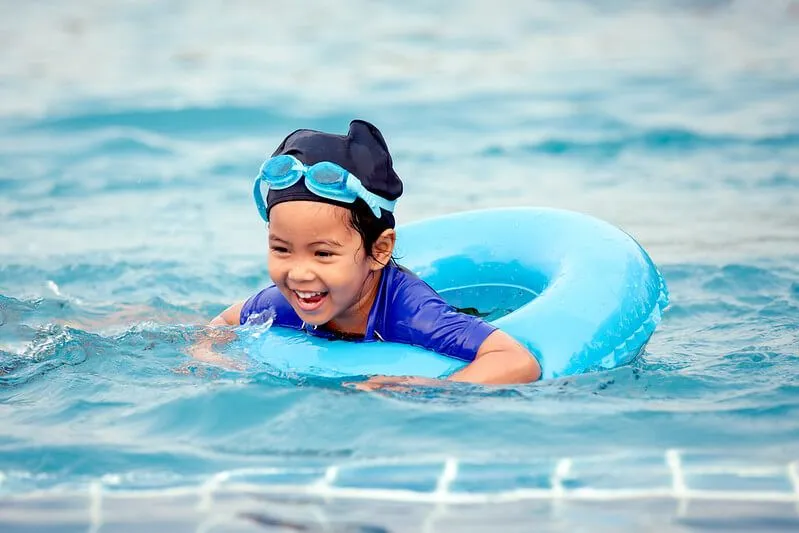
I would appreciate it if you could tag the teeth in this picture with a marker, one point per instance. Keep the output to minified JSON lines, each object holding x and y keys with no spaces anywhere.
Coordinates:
{"x":308,"y":294}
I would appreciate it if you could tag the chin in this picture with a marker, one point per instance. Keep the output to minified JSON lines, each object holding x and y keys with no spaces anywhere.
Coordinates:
{"x":312,"y":319}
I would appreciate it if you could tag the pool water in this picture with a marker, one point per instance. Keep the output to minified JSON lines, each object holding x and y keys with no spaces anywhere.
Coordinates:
{"x":489,"y":301}
{"x":129,"y":137}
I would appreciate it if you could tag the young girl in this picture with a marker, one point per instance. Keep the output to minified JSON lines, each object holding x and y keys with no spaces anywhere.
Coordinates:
{"x":329,"y":202}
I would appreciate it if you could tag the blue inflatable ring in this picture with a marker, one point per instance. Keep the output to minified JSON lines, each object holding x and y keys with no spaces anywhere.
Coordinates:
{"x":578,"y":292}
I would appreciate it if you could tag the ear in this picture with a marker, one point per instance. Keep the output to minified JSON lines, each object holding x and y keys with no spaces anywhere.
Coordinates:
{"x":382,"y":249}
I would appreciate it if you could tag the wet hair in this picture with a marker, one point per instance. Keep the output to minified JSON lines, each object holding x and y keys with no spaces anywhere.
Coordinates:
{"x":369,"y":227}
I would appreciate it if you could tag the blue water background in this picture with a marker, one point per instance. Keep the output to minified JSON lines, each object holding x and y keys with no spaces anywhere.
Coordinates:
{"x":129,"y":135}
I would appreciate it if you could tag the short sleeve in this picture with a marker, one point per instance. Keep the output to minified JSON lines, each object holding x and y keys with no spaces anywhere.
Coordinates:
{"x":269,"y":303}
{"x":421,"y":317}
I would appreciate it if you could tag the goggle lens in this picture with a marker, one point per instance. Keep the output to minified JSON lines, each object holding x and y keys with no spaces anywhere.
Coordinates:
{"x":279,"y":167}
{"x":326,"y":173}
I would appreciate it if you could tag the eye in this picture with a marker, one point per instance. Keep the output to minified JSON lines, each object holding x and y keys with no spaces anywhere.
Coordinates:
{"x":324,"y":253}
{"x":279,"y":249}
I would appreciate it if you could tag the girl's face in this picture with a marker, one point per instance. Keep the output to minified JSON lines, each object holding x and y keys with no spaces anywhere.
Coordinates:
{"x":318,"y":262}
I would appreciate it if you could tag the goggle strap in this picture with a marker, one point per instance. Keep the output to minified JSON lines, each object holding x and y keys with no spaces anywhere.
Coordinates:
{"x":374,"y":201}
{"x":259,"y":198}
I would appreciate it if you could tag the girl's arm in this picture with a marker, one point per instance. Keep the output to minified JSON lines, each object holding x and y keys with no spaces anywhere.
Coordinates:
{"x":203,"y":348}
{"x":500,"y":360}
{"x":228,"y":317}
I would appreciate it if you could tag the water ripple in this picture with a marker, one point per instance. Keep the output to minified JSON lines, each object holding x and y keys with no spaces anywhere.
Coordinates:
{"x":125,"y":173}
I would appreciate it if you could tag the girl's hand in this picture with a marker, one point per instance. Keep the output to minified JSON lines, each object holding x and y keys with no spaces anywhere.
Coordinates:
{"x":203,"y":349}
{"x":395,"y":383}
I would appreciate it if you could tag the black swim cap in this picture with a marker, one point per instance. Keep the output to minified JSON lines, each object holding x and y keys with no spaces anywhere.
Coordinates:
{"x":363,"y":152}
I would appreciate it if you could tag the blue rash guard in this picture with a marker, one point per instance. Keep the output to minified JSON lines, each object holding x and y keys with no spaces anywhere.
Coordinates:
{"x":406,"y":310}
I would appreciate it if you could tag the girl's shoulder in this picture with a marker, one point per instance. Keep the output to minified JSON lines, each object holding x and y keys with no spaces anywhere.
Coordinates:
{"x":269,"y":303}
{"x":403,"y":285}
{"x":416,"y":314}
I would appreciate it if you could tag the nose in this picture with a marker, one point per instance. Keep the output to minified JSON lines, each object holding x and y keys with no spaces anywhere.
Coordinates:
{"x":299,"y":273}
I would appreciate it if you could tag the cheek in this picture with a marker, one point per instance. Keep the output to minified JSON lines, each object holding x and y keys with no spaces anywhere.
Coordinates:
{"x":275,"y":270}
{"x":345,"y":277}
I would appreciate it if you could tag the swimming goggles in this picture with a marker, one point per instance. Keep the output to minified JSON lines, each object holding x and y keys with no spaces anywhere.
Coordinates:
{"x":324,"y":179}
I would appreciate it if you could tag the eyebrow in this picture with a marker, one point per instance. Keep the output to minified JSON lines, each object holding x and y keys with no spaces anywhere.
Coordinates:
{"x":328,"y":242}
{"x":324,"y":242}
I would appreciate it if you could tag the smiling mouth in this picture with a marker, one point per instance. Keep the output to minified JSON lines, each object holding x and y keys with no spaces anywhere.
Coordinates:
{"x":310,"y":301}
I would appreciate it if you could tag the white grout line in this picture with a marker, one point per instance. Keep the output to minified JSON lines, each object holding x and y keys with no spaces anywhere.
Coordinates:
{"x":206,"y":490}
{"x":562,"y":470}
{"x":429,"y":524}
{"x":95,"y":506}
{"x":321,"y":517}
{"x":674,"y":462}
{"x":324,"y":485}
{"x":466,"y":498}
{"x":793,"y":477}
{"x":679,"y":489}
{"x":443,"y":483}
{"x":331,"y":473}
{"x":447,"y":476}
{"x":456,"y":498}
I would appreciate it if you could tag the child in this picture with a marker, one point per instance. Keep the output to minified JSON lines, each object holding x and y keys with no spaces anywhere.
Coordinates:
{"x":329,"y":202}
